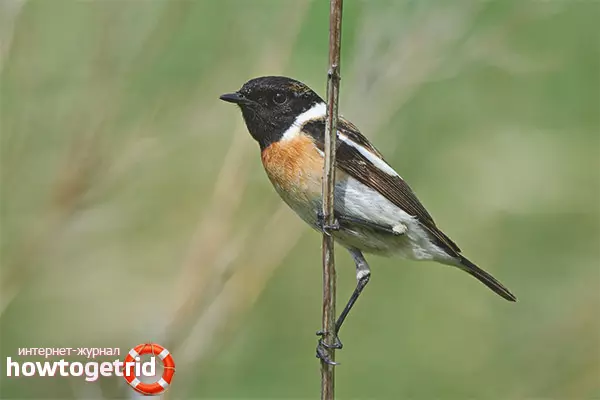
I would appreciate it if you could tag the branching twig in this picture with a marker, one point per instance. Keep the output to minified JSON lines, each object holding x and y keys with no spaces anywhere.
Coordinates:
{"x":329,"y":278}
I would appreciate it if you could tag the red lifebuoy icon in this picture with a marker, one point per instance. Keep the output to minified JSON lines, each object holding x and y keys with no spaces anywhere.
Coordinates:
{"x":163,"y":383}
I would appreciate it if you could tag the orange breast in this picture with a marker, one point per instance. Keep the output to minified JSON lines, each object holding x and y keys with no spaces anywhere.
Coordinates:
{"x":295,"y":167}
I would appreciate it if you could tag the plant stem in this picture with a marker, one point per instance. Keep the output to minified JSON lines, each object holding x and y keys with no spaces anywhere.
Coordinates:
{"x":329,"y":275}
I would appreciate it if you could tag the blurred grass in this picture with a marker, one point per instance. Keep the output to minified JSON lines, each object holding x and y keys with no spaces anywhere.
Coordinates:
{"x":112,"y":139}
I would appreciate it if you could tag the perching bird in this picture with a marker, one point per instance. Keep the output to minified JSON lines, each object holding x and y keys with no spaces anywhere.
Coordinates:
{"x":375,"y":209}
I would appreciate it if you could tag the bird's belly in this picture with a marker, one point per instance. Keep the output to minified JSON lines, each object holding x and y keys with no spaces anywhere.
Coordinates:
{"x":355,"y":200}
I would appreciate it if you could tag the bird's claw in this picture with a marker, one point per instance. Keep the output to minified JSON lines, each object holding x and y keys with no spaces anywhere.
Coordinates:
{"x":323,"y":354}
{"x":337,"y":343}
{"x":322,"y":348}
{"x":327,"y":228}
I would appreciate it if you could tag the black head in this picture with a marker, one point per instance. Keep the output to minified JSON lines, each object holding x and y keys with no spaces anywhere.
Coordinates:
{"x":270,"y":105}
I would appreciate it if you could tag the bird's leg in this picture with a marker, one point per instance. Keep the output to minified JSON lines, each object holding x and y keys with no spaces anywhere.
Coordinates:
{"x":363,"y":274}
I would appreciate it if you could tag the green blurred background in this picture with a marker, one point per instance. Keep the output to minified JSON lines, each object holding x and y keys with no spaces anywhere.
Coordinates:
{"x":135,"y":207}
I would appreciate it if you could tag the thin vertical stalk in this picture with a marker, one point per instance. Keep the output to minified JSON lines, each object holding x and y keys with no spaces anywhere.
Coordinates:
{"x":329,"y":275}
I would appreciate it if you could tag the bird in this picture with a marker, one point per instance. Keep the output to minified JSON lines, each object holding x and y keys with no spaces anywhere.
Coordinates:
{"x":375,"y":210}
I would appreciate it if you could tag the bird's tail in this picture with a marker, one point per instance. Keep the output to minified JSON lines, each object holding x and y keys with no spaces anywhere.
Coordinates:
{"x":485,"y":278}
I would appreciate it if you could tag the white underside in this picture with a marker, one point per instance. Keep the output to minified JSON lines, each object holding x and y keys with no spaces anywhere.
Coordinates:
{"x":354,"y":199}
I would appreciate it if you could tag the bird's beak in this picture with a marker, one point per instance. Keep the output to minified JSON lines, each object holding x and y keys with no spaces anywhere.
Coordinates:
{"x":236,"y":98}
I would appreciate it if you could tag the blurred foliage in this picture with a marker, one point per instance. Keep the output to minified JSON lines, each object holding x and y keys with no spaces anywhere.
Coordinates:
{"x":134,"y":206}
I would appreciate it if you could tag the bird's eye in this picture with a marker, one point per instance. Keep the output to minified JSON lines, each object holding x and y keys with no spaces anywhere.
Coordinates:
{"x":279,"y":98}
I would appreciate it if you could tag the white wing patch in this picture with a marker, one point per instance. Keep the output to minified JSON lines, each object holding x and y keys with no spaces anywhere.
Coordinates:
{"x":400,"y":229}
{"x":376,"y":161}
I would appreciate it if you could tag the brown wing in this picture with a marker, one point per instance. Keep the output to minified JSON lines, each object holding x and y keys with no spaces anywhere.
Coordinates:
{"x":392,"y":187}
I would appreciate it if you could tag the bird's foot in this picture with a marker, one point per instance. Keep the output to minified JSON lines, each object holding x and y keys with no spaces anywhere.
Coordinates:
{"x":327,"y":228}
{"x":337,"y":343}
{"x":322,"y":347}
